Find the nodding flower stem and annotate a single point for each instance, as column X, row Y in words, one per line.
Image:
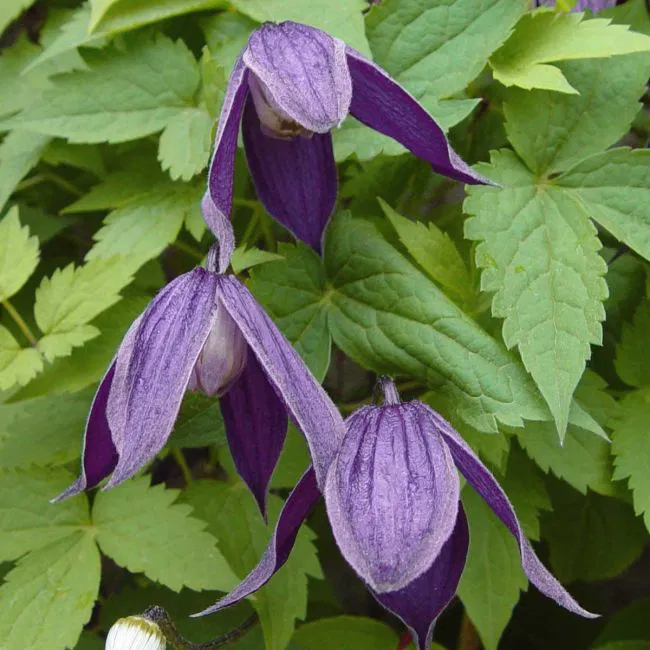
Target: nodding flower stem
column 163, row 620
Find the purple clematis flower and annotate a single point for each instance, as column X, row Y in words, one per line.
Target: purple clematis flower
column 392, row 496
column 582, row 5
column 291, row 85
column 205, row 331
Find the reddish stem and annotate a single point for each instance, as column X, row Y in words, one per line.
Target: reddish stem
column 404, row 641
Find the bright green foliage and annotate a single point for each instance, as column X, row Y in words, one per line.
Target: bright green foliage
column 43, row 430
column 199, row 423
column 591, row 537
column 33, row 613
column 345, row 633
column 10, row 10
column 614, row 187
column 185, row 143
column 540, row 258
column 293, row 292
column 149, row 84
column 436, row 253
column 19, row 254
column 226, row 35
column 142, row 528
column 493, row 567
column 234, row 519
column 544, row 37
column 632, row 452
column 245, row 258
column 17, row 365
column 553, row 131
column 631, row 364
column 68, row 300
column 19, row 152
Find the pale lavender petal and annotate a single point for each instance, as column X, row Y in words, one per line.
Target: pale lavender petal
column 307, row 402
column 392, row 494
column 295, row 179
column 153, row 368
column 420, row 603
column 382, row 104
column 482, row 480
column 302, row 75
column 581, row 5
column 256, row 426
column 222, row 165
column 99, row 455
column 294, row 512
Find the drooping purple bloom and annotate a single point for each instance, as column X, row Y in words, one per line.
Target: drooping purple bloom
column 291, row 85
column 392, row 495
column 581, row 5
column 205, row 331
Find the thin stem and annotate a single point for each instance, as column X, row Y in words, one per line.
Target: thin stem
column 189, row 250
column 179, row 457
column 246, row 203
column 160, row 617
column 18, row 319
column 250, row 228
column 468, row 638
column 30, row 182
column 265, row 225
column 53, row 178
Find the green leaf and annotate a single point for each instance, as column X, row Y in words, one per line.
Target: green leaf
column 435, row 252
column 142, row 529
column 540, row 257
column 141, row 228
column 185, row 144
column 294, row 460
column 86, row 365
column 72, row 297
column 631, row 451
column 493, row 567
column 590, row 537
column 235, row 520
column 614, row 187
column 583, row 460
column 28, row 520
column 81, row 156
column 49, row 596
column 626, row 645
column 293, row 293
column 245, row 258
column 17, row 365
column 553, row 131
column 524, row 485
column 630, row 352
column 19, row 254
column 19, row 152
column 43, row 430
column 592, row 395
column 390, row 318
column 436, row 47
column 89, row 641
column 629, row 623
column 345, row 633
column 546, row 36
column 226, row 35
column 10, row 10
column 340, row 18
column 149, row 85
column 199, row 422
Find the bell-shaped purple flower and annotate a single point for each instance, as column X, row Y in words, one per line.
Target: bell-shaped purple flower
column 392, row 495
column 205, row 331
column 581, row 5
column 291, row 85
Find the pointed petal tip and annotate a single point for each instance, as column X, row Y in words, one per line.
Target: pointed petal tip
column 76, row 488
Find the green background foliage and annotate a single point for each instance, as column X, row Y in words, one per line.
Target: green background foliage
column 520, row 312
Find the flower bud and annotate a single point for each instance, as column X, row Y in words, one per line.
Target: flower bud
column 222, row 358
column 135, row 633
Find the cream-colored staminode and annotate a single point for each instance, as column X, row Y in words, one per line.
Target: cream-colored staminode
column 135, row 633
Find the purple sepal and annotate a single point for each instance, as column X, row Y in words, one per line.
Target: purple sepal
column 294, row 512
column 382, row 104
column 301, row 74
column 421, row 602
column 99, row 456
column 153, row 368
column 256, row 426
column 308, row 404
column 295, row 179
column 581, row 5
column 482, row 480
column 222, row 165
column 392, row 494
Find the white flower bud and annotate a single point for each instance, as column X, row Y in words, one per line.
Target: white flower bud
column 222, row 358
column 135, row 633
